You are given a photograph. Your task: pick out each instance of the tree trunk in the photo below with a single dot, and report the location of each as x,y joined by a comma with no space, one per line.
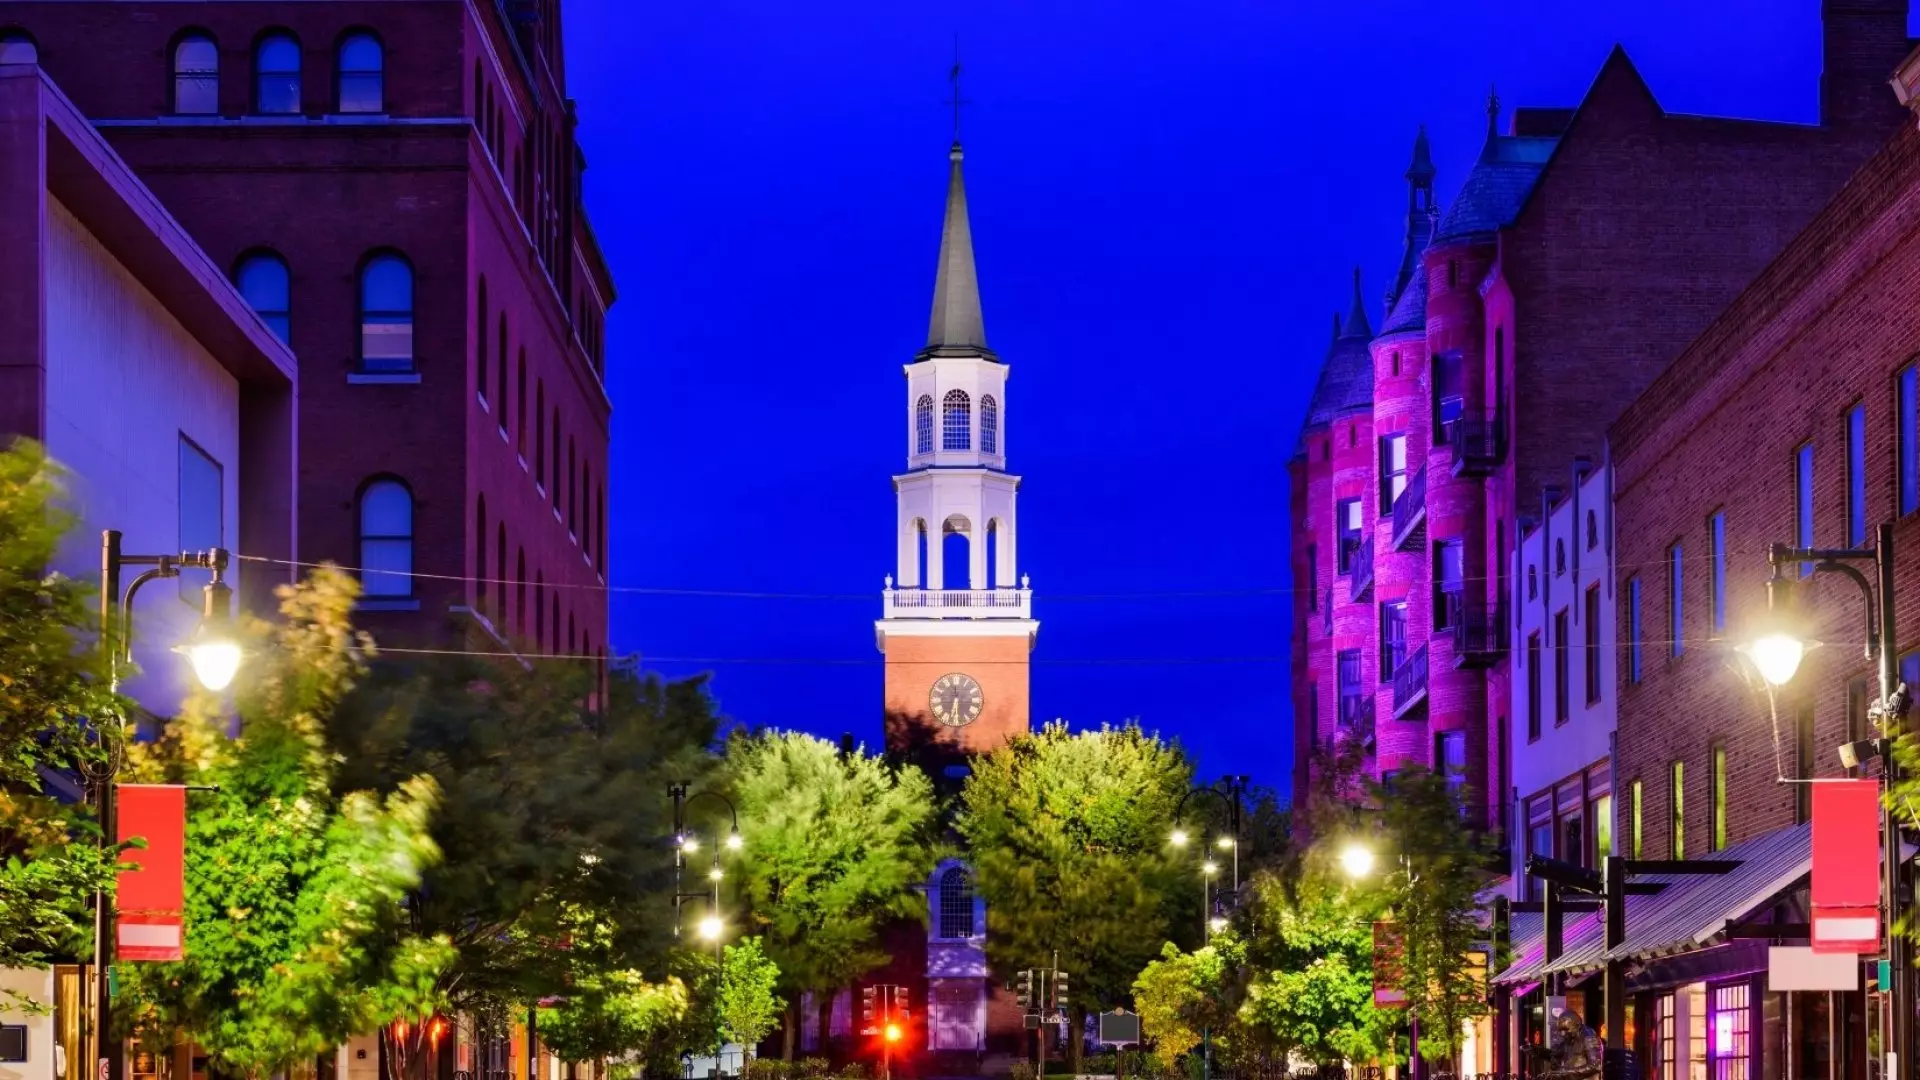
825,1029
1076,1035
790,1031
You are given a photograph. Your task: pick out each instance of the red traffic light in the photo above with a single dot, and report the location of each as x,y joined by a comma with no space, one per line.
893,1033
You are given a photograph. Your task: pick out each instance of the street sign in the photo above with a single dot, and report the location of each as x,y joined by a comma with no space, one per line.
1119,1027
1031,1021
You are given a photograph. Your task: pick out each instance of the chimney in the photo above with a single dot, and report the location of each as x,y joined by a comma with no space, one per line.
1862,43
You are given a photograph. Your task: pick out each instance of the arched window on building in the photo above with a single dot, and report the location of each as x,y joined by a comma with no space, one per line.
17,47
276,75
920,536
501,375
993,551
1559,558
264,281
360,74
989,425
520,408
386,314
956,553
956,421
540,433
1593,531
196,75
480,344
956,904
386,538
923,425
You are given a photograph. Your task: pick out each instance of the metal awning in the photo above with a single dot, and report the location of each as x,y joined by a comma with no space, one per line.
1528,933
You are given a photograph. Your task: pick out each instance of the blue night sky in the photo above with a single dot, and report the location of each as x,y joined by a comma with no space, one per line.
1167,203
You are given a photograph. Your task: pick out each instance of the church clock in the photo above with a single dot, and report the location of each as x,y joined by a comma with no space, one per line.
955,700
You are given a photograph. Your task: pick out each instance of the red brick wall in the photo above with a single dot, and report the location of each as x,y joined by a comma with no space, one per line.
1401,404
998,664
323,195
1829,324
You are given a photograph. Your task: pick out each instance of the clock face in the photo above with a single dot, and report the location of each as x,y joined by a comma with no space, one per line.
955,700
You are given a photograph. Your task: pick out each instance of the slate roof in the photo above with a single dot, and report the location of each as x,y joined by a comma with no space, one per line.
1346,375
1410,307
1497,186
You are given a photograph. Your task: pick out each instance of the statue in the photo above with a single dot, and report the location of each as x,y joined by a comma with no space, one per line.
1577,1053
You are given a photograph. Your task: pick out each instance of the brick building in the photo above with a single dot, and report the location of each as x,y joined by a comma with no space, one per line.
1571,266
395,187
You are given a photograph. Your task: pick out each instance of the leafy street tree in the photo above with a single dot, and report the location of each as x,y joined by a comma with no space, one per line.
1182,997
294,935
612,1014
834,844
1068,836
1310,958
1435,904
51,672
554,814
748,1001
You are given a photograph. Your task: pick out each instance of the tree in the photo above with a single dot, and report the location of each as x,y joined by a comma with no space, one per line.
1435,903
51,671
1068,836
834,844
1183,997
1311,954
749,1005
554,813
295,934
611,1014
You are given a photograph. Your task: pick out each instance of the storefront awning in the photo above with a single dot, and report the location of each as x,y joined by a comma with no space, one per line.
1528,930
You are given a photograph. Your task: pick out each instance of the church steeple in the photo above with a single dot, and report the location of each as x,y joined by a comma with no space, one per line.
1420,215
956,328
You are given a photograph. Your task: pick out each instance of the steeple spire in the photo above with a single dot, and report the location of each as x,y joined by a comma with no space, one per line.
1422,215
1421,171
1493,118
956,328
1357,324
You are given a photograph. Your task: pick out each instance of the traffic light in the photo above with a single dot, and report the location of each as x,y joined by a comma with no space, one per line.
1059,991
1026,990
893,1033
900,1005
867,1002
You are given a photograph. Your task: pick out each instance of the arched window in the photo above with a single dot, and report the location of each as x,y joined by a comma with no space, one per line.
1593,531
956,904
553,477
480,551
196,76
586,510
500,384
956,553
386,538
540,432
267,287
1559,557
480,344
920,551
520,407
993,551
17,47
386,314
361,75
573,489
923,425
1533,582
276,75
989,425
956,421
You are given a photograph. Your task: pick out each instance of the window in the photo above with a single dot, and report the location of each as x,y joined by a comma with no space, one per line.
500,375
263,281
1633,628
1450,760
1856,476
989,425
1453,273
276,75
1561,632
1539,830
17,47
196,76
1533,686
1676,578
1633,811
202,513
386,318
1602,829
1560,558
1593,530
361,80
1449,583
1313,578
540,432
1347,516
1533,582
1662,1041
956,904
1717,799
1393,470
1717,537
386,539
1393,637
1352,692
956,421
1803,501
1906,408
1447,402
520,407
1677,811
480,344
1729,1048
1592,654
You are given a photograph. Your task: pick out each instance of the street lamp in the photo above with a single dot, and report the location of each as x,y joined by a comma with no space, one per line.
1217,923
1356,859
1776,654
686,842
711,927
1178,838
214,655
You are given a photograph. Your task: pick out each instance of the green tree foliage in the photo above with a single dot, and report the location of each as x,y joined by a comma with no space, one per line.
1310,985
554,813
1434,898
749,1003
834,844
51,673
612,1014
1185,997
295,925
1068,837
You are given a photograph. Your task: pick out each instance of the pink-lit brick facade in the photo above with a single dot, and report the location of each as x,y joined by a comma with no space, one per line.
1571,266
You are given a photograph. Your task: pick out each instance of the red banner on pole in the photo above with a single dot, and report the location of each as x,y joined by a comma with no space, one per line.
1846,867
1387,946
148,922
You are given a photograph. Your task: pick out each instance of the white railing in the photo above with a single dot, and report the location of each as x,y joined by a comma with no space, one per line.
958,603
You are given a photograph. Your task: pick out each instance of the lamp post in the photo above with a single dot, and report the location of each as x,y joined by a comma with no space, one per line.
1777,654
1357,861
687,842
215,656
1228,793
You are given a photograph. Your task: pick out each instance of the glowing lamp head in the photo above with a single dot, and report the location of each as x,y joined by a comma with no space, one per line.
213,652
1226,842
1209,867
689,843
1178,838
893,1033
710,928
734,841
1776,655
1356,859
714,874
1217,924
